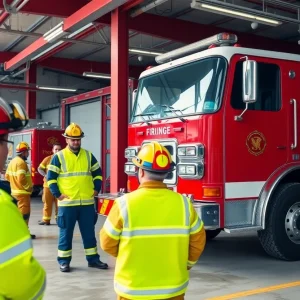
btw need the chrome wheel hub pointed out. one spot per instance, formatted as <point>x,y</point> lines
<point>292,223</point>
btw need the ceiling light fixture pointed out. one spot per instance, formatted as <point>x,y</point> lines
<point>145,52</point>
<point>55,88</point>
<point>96,75</point>
<point>233,11</point>
<point>55,33</point>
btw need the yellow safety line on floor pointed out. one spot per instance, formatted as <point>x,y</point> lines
<point>256,291</point>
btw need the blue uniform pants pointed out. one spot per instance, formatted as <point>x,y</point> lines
<point>66,220</point>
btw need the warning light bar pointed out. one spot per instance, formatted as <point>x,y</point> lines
<point>221,39</point>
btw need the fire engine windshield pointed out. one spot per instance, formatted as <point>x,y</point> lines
<point>193,88</point>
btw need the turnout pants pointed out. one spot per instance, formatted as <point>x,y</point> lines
<point>49,200</point>
<point>66,220</point>
<point>24,206</point>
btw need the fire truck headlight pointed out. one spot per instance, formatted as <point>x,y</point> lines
<point>191,170</point>
<point>181,151</point>
<point>129,169</point>
<point>131,152</point>
<point>190,151</point>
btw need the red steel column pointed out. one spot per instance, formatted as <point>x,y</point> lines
<point>30,96</point>
<point>119,98</point>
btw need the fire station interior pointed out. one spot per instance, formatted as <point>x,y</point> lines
<point>80,61</point>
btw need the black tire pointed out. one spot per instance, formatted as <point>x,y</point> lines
<point>274,239</point>
<point>211,234</point>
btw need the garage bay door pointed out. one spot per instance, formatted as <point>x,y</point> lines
<point>88,116</point>
<point>51,115</point>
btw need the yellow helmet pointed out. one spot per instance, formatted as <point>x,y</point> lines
<point>21,147</point>
<point>154,157</point>
<point>74,132</point>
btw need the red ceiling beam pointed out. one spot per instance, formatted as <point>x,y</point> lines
<point>52,8</point>
<point>72,66</point>
<point>131,4</point>
<point>81,18</point>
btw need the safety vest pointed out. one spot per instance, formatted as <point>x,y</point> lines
<point>75,178</point>
<point>22,277</point>
<point>18,175</point>
<point>154,244</point>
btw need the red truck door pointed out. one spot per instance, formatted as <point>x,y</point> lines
<point>258,144</point>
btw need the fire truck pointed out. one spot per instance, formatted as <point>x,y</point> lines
<point>40,137</point>
<point>229,117</point>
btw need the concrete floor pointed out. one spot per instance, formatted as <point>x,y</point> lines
<point>230,264</point>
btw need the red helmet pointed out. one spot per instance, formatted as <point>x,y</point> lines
<point>13,117</point>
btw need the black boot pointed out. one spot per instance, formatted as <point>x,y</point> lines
<point>33,236</point>
<point>64,268</point>
<point>98,265</point>
<point>42,222</point>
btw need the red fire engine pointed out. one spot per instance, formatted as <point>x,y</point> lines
<point>229,117</point>
<point>40,138</point>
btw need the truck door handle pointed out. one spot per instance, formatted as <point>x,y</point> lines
<point>294,103</point>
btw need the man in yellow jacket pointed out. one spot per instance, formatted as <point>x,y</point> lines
<point>48,199</point>
<point>154,232</point>
<point>19,177</point>
<point>75,178</point>
<point>22,277</point>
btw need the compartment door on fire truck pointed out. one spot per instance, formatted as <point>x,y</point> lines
<point>258,144</point>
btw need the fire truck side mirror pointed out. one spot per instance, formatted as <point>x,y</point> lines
<point>249,81</point>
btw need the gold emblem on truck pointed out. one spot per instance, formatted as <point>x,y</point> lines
<point>256,143</point>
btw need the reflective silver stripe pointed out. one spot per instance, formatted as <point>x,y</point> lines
<point>124,211</point>
<point>96,166</point>
<point>154,292</point>
<point>87,201</point>
<point>191,263</point>
<point>15,251</point>
<point>54,169</point>
<point>62,161</point>
<point>198,225</point>
<point>62,253</point>
<point>187,211</point>
<point>108,227</point>
<point>88,156</point>
<point>165,231</point>
<point>70,174</point>
<point>90,251</point>
<point>69,202</point>
<point>41,291</point>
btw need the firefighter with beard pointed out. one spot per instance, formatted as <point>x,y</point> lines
<point>74,177</point>
<point>22,277</point>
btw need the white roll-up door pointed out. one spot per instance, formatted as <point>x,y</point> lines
<point>88,117</point>
<point>51,115</point>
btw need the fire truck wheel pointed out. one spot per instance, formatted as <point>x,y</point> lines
<point>211,234</point>
<point>281,237</point>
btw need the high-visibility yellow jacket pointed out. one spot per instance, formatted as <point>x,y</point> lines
<point>22,277</point>
<point>18,175</point>
<point>156,236</point>
<point>44,166</point>
<point>73,175</point>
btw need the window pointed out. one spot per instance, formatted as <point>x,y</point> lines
<point>188,89</point>
<point>268,88</point>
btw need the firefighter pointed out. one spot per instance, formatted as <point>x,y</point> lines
<point>74,178</point>
<point>18,175</point>
<point>155,233</point>
<point>48,199</point>
<point>22,277</point>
